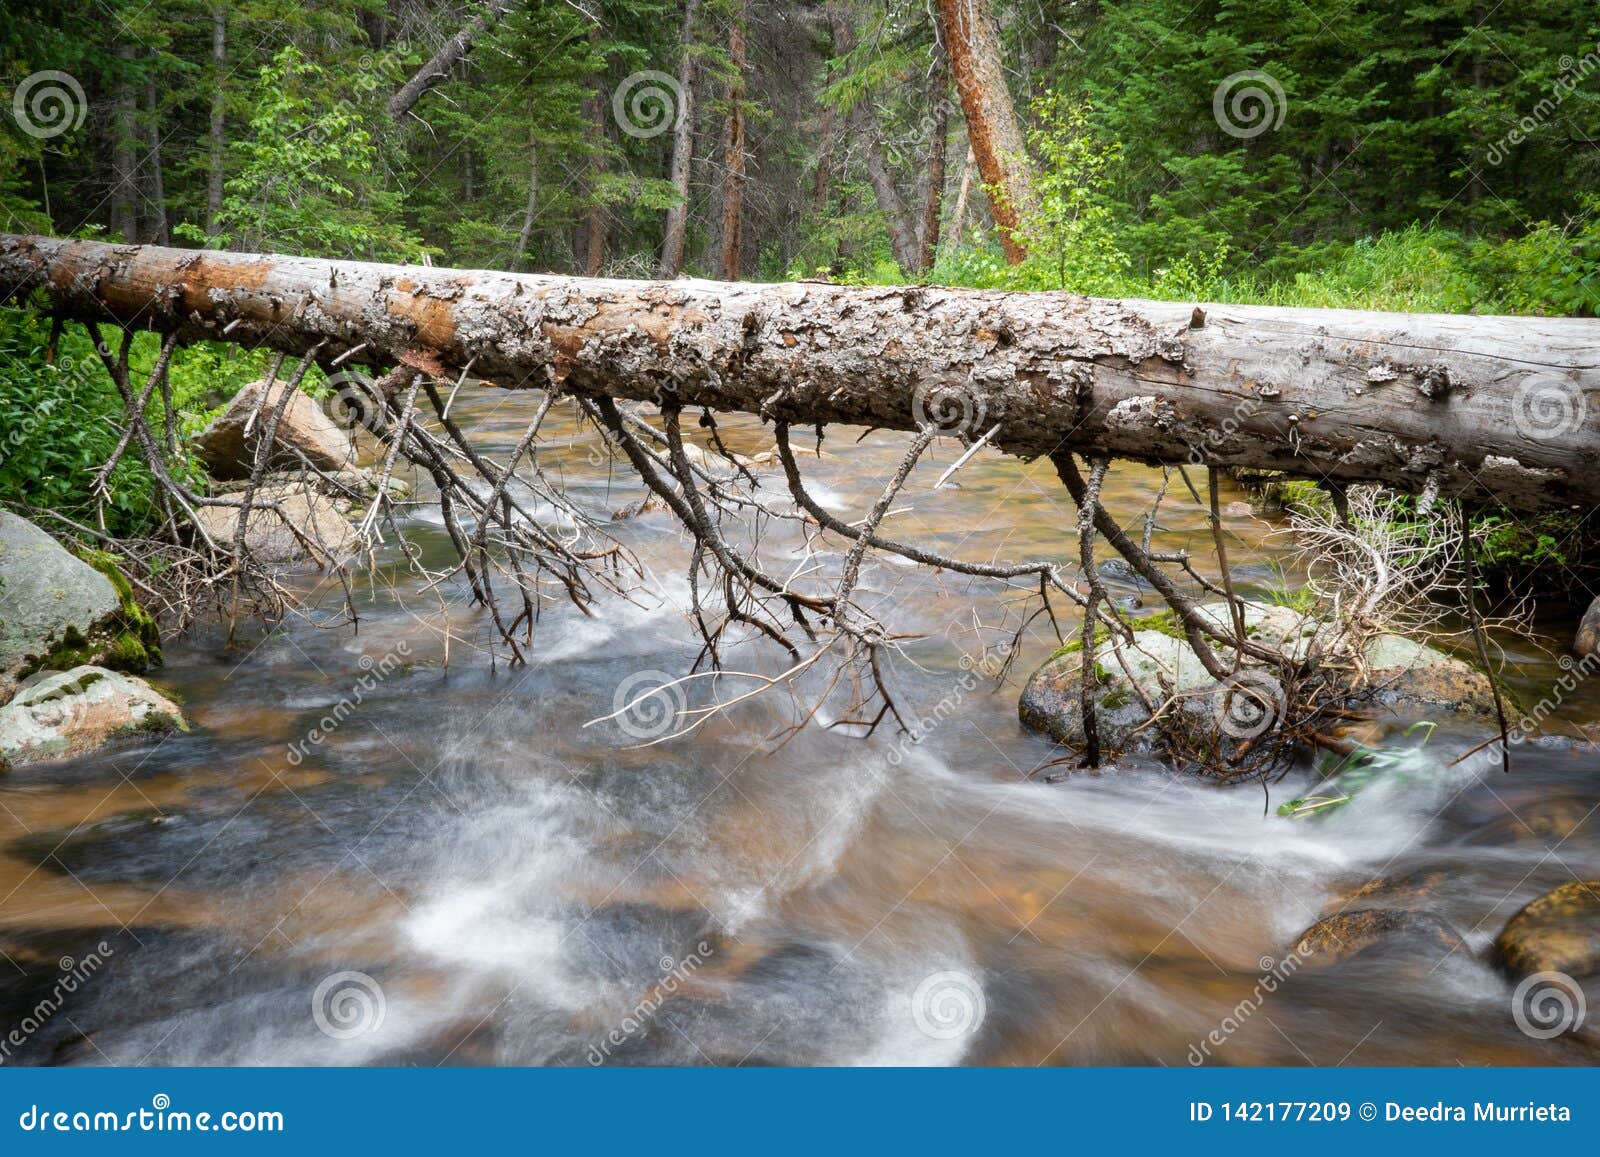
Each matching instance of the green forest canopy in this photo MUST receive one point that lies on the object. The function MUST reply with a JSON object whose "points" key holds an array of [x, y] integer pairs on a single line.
{"points": [[1417, 153]]}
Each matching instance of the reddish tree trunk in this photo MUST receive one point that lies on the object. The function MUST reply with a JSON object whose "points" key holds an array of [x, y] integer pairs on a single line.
{"points": [[992, 127]]}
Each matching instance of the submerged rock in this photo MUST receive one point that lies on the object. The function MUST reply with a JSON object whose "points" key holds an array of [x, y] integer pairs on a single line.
{"points": [[1405, 675], [1558, 932], [74, 711], [230, 454], [1345, 935], [58, 610]]}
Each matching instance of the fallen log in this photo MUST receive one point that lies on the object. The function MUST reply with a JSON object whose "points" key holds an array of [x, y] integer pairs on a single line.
{"points": [[1495, 408]]}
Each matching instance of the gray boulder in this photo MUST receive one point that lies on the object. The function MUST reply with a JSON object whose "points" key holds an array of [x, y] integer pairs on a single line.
{"points": [[288, 524], [47, 594], [1587, 641]]}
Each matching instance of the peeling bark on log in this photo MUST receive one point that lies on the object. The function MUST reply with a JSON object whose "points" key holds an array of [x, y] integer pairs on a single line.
{"points": [[1504, 408]]}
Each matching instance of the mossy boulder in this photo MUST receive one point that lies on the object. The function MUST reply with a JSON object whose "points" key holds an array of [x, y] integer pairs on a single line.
{"points": [[1346, 935], [60, 610], [1405, 675], [1558, 932], [71, 712]]}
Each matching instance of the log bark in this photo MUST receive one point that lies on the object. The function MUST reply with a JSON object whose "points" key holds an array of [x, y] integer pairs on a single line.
{"points": [[451, 53], [1485, 407], [992, 127]]}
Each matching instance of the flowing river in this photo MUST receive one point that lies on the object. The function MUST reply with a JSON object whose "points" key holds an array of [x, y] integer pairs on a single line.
{"points": [[458, 871]]}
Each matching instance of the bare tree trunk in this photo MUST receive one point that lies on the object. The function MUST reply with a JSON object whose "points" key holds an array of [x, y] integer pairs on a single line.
{"points": [[897, 218], [449, 55], [992, 127], [733, 149], [160, 232], [823, 178], [217, 138], [958, 220], [902, 232], [1477, 406], [125, 189], [594, 242], [933, 202], [525, 236], [671, 264]]}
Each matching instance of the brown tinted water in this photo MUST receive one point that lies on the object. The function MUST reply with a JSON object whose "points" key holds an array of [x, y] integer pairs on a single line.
{"points": [[516, 888]]}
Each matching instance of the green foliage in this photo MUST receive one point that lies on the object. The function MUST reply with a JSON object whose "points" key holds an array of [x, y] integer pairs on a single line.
{"points": [[68, 417], [1344, 777], [306, 172]]}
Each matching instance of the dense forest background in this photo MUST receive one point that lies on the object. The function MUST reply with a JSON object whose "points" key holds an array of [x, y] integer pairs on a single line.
{"points": [[1423, 154], [1399, 154]]}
